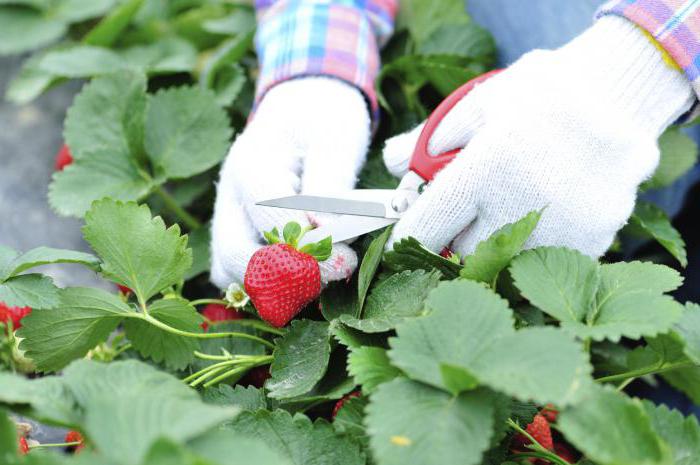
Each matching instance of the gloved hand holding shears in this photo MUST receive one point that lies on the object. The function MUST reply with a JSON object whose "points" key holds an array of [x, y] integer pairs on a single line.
{"points": [[573, 131]]}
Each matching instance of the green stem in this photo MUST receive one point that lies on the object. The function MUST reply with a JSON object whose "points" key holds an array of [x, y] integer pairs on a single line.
{"points": [[260, 325], [159, 324], [176, 209], [204, 356], [227, 374], [208, 301], [541, 455], [207, 375], [649, 370], [57, 444], [122, 349]]}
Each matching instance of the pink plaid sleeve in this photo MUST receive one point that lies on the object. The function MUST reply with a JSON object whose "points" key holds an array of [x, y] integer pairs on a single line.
{"points": [[337, 38], [674, 24]]}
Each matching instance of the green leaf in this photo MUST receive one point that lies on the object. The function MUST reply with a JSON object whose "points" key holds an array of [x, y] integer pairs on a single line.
{"points": [[124, 428], [352, 337], [107, 115], [77, 10], [409, 254], [45, 399], [241, 20], [298, 439], [216, 447], [245, 398], [686, 380], [423, 18], [561, 282], [470, 327], [320, 250], [161, 346], [8, 439], [291, 232], [44, 256], [650, 221], [29, 290], [186, 132], [409, 422], [370, 367], [81, 61], [688, 328], [612, 429], [598, 302], [168, 55], [349, 419], [337, 299], [233, 345], [24, 29], [300, 359], [681, 434], [466, 40], [199, 241], [99, 174], [369, 265], [496, 252], [84, 318], [395, 299], [678, 155], [105, 33], [167, 452], [137, 251]]}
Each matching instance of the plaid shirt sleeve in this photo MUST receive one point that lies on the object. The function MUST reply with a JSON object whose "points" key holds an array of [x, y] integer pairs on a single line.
{"points": [[339, 38], [674, 24]]}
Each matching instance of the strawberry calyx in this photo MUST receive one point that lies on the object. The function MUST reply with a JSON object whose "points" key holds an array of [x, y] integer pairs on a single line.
{"points": [[292, 234]]}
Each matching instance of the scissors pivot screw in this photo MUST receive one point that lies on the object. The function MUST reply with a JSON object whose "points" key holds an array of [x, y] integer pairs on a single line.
{"points": [[399, 204]]}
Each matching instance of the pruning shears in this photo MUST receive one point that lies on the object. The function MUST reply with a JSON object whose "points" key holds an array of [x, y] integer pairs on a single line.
{"points": [[366, 210]]}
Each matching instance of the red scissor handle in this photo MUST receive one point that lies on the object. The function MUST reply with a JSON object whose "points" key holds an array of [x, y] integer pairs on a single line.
{"points": [[424, 164]]}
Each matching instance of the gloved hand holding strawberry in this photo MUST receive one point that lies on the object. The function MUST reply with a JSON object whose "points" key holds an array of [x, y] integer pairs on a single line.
{"points": [[573, 131]]}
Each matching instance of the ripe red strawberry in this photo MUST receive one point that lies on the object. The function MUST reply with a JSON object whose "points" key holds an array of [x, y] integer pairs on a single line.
{"points": [[15, 314], [446, 253], [539, 429], [63, 158], [74, 436], [282, 280], [550, 413], [23, 446], [218, 312], [338, 405], [256, 376], [563, 451], [124, 290]]}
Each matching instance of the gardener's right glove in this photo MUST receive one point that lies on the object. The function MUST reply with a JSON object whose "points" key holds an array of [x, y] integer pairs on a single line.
{"points": [[573, 131]]}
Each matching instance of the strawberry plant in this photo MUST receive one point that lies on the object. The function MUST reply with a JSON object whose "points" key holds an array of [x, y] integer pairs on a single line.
{"points": [[503, 357]]}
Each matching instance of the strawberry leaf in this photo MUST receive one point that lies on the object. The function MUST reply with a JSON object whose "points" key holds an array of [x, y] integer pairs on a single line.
{"points": [[496, 252], [651, 222], [217, 446], [471, 328], [320, 250], [300, 359], [409, 254], [681, 434], [44, 256], [175, 351], [350, 419], [607, 414], [370, 367], [409, 422], [678, 155], [8, 439], [186, 132], [137, 251], [291, 233], [298, 439], [83, 318], [245, 398], [272, 237], [598, 301], [369, 265], [337, 299], [29, 290], [23, 29], [395, 299], [688, 328]]}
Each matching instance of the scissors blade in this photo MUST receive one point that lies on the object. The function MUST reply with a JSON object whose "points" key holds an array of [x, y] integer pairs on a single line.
{"points": [[360, 202], [346, 227]]}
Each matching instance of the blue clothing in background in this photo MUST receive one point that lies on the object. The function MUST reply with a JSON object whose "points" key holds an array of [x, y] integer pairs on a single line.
{"points": [[519, 26]]}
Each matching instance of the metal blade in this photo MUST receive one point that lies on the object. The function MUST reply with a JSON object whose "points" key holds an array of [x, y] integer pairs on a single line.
{"points": [[352, 203], [346, 227]]}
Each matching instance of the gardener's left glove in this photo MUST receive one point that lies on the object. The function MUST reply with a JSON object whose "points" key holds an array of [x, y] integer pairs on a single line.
{"points": [[573, 131], [308, 135]]}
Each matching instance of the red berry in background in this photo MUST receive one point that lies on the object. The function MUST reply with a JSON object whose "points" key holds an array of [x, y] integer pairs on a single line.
{"points": [[15, 314], [74, 436], [124, 290], [219, 313], [63, 158], [539, 429], [563, 451], [256, 377], [338, 405], [446, 253], [281, 281], [23, 446], [550, 413]]}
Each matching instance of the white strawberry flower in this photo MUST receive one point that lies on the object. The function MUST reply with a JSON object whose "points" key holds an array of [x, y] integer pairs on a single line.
{"points": [[236, 296]]}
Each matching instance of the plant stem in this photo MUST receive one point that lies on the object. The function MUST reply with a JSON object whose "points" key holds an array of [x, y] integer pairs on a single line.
{"points": [[260, 325], [208, 301], [122, 349], [204, 356], [179, 332], [227, 374], [58, 444], [649, 370], [176, 209]]}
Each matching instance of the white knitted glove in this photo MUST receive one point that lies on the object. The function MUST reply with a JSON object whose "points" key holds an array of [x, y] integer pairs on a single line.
{"points": [[308, 135], [573, 130]]}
